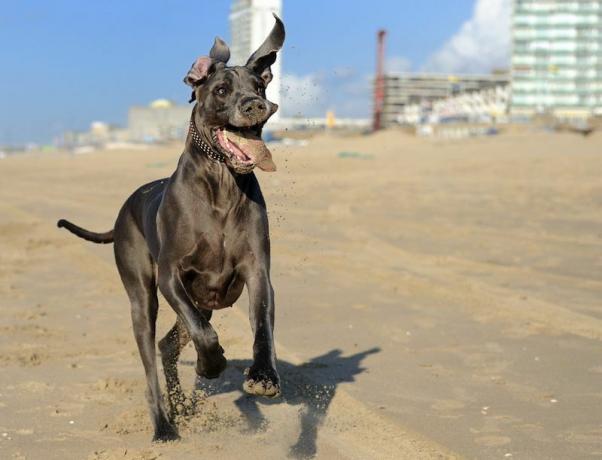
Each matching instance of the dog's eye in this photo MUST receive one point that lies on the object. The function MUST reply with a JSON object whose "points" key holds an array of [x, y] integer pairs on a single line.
{"points": [[221, 91]]}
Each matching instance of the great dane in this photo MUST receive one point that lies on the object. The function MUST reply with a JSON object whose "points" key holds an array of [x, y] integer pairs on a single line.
{"points": [[202, 234]]}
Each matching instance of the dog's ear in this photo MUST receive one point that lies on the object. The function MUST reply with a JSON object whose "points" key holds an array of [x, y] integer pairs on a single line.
{"points": [[199, 71], [267, 76], [220, 51], [261, 60]]}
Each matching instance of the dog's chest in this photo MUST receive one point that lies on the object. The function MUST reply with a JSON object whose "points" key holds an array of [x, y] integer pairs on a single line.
{"points": [[209, 275]]}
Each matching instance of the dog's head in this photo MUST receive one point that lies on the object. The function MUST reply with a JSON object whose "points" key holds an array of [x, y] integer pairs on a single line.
{"points": [[232, 107]]}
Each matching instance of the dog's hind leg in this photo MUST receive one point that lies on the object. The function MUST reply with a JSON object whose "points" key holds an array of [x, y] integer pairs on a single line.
{"points": [[171, 346], [211, 361], [138, 275]]}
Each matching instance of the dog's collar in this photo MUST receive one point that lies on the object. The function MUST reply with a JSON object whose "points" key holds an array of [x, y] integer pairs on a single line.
{"points": [[202, 145]]}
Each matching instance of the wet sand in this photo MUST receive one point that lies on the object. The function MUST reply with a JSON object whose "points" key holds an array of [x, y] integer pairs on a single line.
{"points": [[434, 300]]}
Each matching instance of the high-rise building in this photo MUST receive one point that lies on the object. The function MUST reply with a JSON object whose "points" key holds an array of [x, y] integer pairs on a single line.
{"points": [[250, 23], [557, 57]]}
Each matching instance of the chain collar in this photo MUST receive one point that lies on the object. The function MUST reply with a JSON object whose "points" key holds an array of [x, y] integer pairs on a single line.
{"points": [[202, 145]]}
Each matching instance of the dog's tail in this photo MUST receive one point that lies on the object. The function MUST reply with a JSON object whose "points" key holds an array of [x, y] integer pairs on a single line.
{"points": [[102, 238]]}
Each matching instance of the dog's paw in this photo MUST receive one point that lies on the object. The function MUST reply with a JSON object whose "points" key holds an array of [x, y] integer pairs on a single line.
{"points": [[262, 382], [165, 433], [212, 364]]}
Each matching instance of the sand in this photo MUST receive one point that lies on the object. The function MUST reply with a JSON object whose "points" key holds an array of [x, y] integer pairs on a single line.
{"points": [[434, 300]]}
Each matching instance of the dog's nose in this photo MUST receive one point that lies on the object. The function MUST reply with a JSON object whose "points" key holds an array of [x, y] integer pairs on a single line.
{"points": [[254, 108]]}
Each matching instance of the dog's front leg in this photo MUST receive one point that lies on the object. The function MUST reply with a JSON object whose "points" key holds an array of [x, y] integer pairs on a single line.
{"points": [[262, 378], [211, 361]]}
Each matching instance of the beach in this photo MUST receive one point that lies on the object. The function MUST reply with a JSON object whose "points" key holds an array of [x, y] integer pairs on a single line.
{"points": [[434, 299]]}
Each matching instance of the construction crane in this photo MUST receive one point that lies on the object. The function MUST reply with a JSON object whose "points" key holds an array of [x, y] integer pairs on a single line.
{"points": [[379, 81]]}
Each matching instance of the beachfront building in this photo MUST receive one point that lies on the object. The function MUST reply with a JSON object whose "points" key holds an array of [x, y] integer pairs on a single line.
{"points": [[489, 105], [405, 92], [160, 121], [250, 23], [557, 58], [98, 134]]}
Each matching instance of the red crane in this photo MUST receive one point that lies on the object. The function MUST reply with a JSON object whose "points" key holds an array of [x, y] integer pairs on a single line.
{"points": [[379, 81]]}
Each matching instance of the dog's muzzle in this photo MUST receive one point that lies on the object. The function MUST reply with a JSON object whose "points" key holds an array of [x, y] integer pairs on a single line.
{"points": [[245, 148]]}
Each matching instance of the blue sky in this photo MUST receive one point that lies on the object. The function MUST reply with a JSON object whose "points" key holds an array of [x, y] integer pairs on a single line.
{"points": [[66, 63]]}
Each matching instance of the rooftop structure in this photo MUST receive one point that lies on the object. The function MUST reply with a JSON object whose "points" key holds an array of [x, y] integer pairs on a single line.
{"points": [[557, 57], [250, 23]]}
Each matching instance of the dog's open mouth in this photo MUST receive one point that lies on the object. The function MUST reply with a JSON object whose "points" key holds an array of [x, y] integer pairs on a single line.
{"points": [[244, 147]]}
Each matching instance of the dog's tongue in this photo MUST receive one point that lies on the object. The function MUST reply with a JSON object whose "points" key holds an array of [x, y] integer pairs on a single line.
{"points": [[254, 147]]}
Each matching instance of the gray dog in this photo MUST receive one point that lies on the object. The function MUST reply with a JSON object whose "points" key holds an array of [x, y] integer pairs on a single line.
{"points": [[201, 235]]}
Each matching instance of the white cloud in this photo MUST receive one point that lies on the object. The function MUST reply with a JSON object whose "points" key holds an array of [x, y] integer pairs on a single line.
{"points": [[481, 44], [343, 90], [343, 72], [301, 94], [353, 97]]}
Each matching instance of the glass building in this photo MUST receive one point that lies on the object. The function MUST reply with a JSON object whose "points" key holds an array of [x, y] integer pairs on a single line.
{"points": [[557, 57]]}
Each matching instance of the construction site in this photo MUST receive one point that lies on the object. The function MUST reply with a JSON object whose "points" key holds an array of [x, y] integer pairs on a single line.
{"points": [[554, 77]]}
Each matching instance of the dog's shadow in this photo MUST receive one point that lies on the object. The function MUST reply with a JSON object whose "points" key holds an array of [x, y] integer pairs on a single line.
{"points": [[311, 385]]}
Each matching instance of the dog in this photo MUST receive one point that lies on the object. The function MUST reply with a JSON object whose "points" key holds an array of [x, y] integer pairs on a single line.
{"points": [[201, 235]]}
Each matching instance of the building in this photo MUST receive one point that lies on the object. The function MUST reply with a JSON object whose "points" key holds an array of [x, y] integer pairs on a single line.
{"points": [[160, 121], [557, 58], [98, 134], [409, 89], [250, 23], [487, 105]]}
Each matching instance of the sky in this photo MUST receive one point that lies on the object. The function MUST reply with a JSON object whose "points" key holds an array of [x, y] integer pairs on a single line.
{"points": [[66, 63]]}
